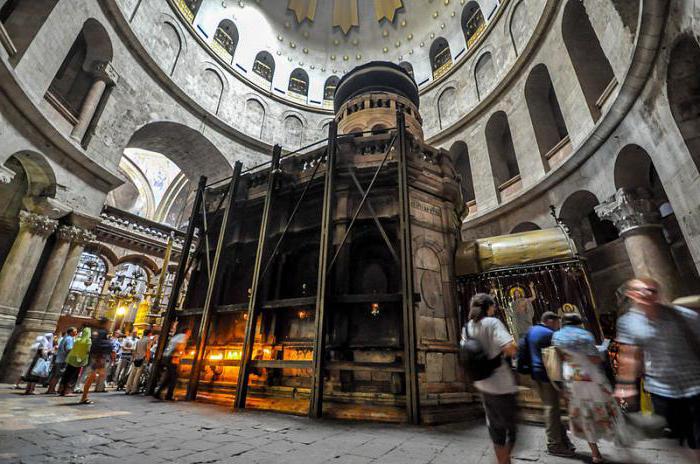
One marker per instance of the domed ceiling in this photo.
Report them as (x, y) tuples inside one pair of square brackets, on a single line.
[(330, 37)]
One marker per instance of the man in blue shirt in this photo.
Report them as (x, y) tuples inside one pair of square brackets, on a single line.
[(538, 337), (59, 360)]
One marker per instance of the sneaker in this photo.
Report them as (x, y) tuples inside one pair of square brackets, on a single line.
[(561, 452)]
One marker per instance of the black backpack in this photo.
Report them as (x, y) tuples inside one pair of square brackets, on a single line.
[(477, 364)]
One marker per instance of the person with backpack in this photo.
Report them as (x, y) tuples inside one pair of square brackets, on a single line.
[(530, 362), (485, 344)]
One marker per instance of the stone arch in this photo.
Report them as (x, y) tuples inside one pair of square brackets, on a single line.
[(299, 82), (167, 47), (142, 260), (633, 168), (526, 226), (264, 66), (683, 86), (193, 153), (472, 22), (105, 252), (254, 117), (226, 39), (440, 56), (212, 89), (135, 195), (484, 75), (91, 50), (592, 67), (293, 132), (22, 20), (460, 158), (545, 112), (518, 27), (40, 176), (499, 141), (447, 107), (329, 87), (587, 230)]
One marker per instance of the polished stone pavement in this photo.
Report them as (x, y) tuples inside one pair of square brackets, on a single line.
[(135, 429)]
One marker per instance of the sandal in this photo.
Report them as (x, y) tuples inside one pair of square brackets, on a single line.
[(86, 402)]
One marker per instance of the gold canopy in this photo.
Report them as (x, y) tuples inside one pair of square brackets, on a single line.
[(303, 9), (387, 9)]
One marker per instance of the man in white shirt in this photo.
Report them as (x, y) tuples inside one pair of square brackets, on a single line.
[(498, 391), (127, 347), (141, 357)]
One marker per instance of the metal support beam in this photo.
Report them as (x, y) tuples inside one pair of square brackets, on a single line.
[(214, 283), (177, 284), (323, 284), (407, 284), (248, 341)]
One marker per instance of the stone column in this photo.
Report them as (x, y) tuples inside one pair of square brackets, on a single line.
[(44, 310), (638, 221), (19, 267), (104, 75)]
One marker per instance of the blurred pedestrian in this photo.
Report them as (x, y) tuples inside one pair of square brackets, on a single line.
[(498, 391), (593, 412), (100, 354), (77, 359), (125, 357), (59, 361), (536, 339), (665, 340), (171, 359), (40, 367), (142, 355)]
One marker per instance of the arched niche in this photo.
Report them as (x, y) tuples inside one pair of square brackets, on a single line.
[(293, 132), (519, 27), (226, 39), (254, 117), (586, 229), (211, 90), (545, 112), (460, 157), (440, 57), (499, 141), (329, 87), (592, 67), (683, 85), (167, 47), (264, 66), (299, 82), (72, 82), (525, 227), (22, 19), (191, 151), (448, 107), (484, 75), (473, 22)]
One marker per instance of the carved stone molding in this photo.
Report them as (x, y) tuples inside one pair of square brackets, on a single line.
[(630, 209), (6, 175), (76, 235), (37, 223), (106, 72)]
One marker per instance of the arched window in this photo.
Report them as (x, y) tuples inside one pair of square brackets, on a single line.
[(189, 8), (545, 113), (684, 93), (226, 39), (408, 67), (473, 23), (504, 163), (264, 66), (22, 20), (299, 82), (329, 87), (593, 70), (440, 57), (587, 229), (484, 75), (87, 286)]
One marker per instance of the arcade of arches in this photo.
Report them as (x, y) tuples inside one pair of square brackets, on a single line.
[(526, 116)]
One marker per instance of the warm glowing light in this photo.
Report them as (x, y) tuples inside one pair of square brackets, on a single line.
[(192, 353), (233, 355), (216, 357), (374, 309), (267, 351), (121, 310), (302, 314)]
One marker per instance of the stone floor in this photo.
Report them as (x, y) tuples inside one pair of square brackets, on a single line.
[(120, 429)]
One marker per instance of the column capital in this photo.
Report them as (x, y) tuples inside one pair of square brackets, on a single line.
[(105, 71), (629, 210), (76, 235), (37, 223)]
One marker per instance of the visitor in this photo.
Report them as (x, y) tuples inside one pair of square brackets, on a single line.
[(666, 341), (594, 414), (101, 352), (77, 359), (499, 390), (59, 360), (536, 339), (111, 368), (142, 355), (126, 351), (171, 360), (40, 366)]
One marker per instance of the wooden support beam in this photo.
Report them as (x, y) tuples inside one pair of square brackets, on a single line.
[(249, 340), (407, 284), (177, 284), (214, 282), (323, 285)]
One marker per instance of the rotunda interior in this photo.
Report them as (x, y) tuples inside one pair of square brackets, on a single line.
[(317, 188)]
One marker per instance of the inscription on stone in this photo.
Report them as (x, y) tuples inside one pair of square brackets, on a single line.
[(426, 208)]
